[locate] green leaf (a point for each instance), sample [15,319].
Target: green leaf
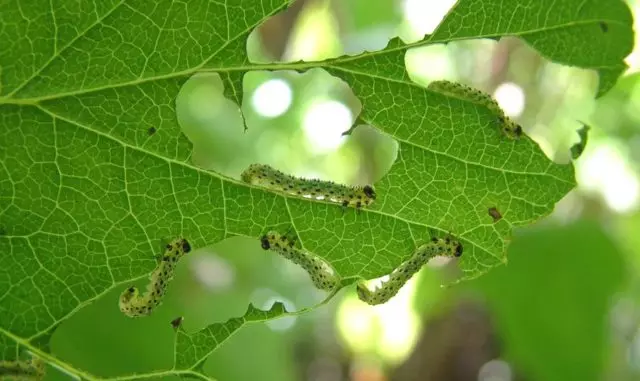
[557,329]
[87,192]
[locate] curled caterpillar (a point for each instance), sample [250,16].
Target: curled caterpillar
[268,177]
[437,247]
[321,274]
[510,128]
[31,370]
[133,304]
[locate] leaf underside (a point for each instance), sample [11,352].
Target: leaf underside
[86,193]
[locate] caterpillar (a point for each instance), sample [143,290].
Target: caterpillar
[438,246]
[268,177]
[321,274]
[133,304]
[510,128]
[30,370]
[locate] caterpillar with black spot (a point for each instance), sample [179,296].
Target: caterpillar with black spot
[133,304]
[268,177]
[437,247]
[510,128]
[31,370]
[321,274]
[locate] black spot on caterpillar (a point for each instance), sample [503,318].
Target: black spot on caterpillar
[436,247]
[510,128]
[177,322]
[151,131]
[268,177]
[321,274]
[604,26]
[133,304]
[30,370]
[495,214]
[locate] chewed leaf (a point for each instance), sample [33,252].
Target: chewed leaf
[94,168]
[193,349]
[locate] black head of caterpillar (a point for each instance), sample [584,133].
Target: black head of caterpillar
[447,246]
[271,178]
[320,273]
[510,128]
[134,304]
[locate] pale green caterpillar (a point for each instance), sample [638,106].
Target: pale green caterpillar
[31,370]
[133,304]
[321,274]
[268,177]
[510,128]
[437,247]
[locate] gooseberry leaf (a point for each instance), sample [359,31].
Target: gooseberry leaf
[95,170]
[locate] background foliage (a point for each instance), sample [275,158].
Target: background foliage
[108,143]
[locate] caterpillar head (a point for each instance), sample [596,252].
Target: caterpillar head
[518,130]
[369,192]
[186,246]
[264,242]
[129,294]
[458,251]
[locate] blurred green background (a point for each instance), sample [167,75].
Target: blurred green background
[567,307]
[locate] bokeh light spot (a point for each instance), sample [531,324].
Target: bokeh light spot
[511,98]
[324,122]
[272,98]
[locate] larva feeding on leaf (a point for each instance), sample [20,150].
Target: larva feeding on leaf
[31,370]
[510,128]
[437,247]
[321,274]
[133,304]
[268,177]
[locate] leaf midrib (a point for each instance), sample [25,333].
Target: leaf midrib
[222,177]
[330,62]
